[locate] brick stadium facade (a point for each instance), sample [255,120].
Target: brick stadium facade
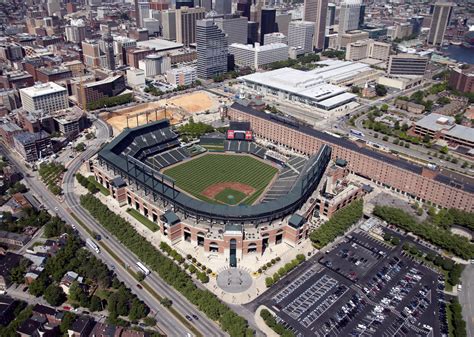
[421,183]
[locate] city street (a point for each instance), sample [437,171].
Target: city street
[165,319]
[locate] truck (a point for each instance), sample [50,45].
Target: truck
[91,244]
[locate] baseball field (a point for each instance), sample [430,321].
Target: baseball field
[223,178]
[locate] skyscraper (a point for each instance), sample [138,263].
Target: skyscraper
[349,16]
[331,17]
[316,11]
[108,49]
[267,22]
[441,16]
[168,23]
[212,49]
[223,6]
[143,11]
[76,31]
[184,3]
[244,7]
[235,27]
[137,13]
[300,34]
[186,24]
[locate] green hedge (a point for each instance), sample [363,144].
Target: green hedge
[171,273]
[443,238]
[110,101]
[340,222]
[272,323]
[457,321]
[300,258]
[143,219]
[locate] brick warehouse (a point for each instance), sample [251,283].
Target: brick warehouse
[421,183]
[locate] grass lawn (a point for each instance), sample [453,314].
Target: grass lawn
[230,196]
[194,176]
[101,188]
[143,219]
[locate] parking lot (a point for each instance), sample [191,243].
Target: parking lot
[362,287]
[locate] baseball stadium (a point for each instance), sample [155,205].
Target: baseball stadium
[214,191]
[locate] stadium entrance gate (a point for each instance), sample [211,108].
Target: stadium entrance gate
[233,253]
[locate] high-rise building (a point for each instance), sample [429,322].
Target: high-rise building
[184,3]
[402,30]
[257,56]
[462,79]
[243,6]
[252,32]
[275,38]
[168,23]
[206,4]
[137,12]
[223,6]
[75,31]
[267,22]
[417,23]
[107,46]
[49,97]
[186,19]
[91,53]
[316,11]
[212,49]
[92,92]
[407,64]
[153,26]
[349,16]
[440,20]
[300,34]
[54,7]
[361,15]
[143,11]
[331,17]
[282,21]
[235,27]
[344,39]
[362,49]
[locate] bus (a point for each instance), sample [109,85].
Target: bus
[143,269]
[92,246]
[357,133]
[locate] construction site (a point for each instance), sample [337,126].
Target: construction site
[176,109]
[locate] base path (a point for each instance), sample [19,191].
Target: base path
[213,190]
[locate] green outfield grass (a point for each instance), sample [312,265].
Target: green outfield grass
[194,176]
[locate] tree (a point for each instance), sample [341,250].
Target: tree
[17,188]
[17,274]
[75,291]
[38,286]
[95,304]
[66,322]
[384,107]
[54,295]
[138,310]
[380,90]
[80,147]
[166,302]
[444,150]
[150,321]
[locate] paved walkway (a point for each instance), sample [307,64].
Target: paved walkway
[234,280]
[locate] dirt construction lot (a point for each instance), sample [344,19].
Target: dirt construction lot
[178,108]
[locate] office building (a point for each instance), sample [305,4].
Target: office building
[440,20]
[212,49]
[267,22]
[235,27]
[353,36]
[275,38]
[362,15]
[153,26]
[257,56]
[154,64]
[144,12]
[252,32]
[316,11]
[168,22]
[33,146]
[243,6]
[54,8]
[282,21]
[300,34]
[92,92]
[107,48]
[462,79]
[181,76]
[48,97]
[349,16]
[75,31]
[91,53]
[417,24]
[402,30]
[362,49]
[407,64]
[135,77]
[331,17]
[438,126]
[186,24]
[184,3]
[223,7]
[206,4]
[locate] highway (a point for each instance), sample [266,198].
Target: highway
[165,320]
